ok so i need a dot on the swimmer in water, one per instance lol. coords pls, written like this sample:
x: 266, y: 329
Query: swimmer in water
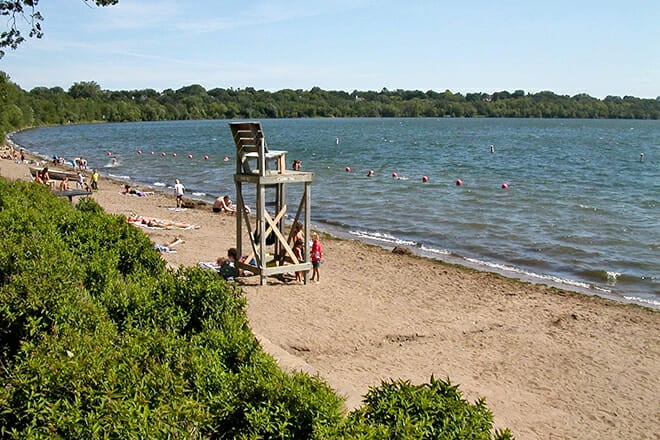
x: 641, y: 157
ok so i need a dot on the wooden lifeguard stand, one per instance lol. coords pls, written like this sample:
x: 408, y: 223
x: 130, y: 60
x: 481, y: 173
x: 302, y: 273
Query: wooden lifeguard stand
x: 253, y: 160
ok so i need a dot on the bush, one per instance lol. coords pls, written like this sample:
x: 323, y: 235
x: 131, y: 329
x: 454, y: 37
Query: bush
x: 436, y: 410
x: 99, y: 339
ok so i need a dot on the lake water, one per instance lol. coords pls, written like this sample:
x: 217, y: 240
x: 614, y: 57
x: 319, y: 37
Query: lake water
x: 581, y: 209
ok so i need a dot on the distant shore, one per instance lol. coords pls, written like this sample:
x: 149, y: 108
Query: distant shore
x: 551, y: 363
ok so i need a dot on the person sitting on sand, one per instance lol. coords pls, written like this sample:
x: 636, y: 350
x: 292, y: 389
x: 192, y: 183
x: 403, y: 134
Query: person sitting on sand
x: 64, y: 184
x: 45, y: 176
x: 227, y: 265
x: 224, y: 204
x: 38, y: 179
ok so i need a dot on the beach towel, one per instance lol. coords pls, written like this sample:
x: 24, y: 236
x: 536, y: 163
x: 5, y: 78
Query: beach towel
x: 165, y: 249
x: 212, y: 265
x: 209, y: 265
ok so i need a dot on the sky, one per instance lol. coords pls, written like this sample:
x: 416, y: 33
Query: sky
x: 569, y: 47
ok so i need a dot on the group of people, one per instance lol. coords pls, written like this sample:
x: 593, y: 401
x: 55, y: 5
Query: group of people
x: 316, y: 252
x: 226, y: 266
x: 11, y: 153
x: 229, y: 270
x: 43, y: 177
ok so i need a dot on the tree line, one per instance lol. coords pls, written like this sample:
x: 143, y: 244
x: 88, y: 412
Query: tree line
x: 87, y: 102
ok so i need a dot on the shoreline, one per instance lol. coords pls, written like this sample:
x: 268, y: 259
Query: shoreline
x: 599, y: 284
x: 513, y: 273
x: 550, y: 362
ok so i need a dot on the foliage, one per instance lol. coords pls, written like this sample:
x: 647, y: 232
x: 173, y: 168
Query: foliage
x: 436, y: 410
x: 18, y: 11
x: 86, y: 101
x: 98, y: 338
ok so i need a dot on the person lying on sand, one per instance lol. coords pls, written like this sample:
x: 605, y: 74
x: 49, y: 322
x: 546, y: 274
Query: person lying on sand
x: 169, y: 247
x: 154, y: 222
x: 135, y: 192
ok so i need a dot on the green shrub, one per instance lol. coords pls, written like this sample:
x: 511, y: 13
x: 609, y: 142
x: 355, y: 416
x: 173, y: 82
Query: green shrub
x: 436, y: 410
x: 98, y: 338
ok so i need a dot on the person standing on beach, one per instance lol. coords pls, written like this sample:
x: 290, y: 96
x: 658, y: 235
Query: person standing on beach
x: 95, y: 179
x: 317, y: 256
x: 178, y: 193
x: 298, y: 252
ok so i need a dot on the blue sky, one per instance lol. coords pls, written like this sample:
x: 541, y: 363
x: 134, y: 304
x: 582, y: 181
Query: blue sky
x: 596, y: 47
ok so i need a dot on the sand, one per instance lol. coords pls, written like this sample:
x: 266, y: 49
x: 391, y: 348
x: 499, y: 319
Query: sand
x: 551, y: 364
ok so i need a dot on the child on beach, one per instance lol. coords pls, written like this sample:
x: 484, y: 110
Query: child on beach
x: 95, y: 179
x: 178, y: 193
x: 317, y: 256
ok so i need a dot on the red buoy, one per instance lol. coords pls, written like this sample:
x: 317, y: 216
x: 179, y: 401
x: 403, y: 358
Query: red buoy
x: 163, y: 154
x: 425, y: 179
x: 173, y: 154
x: 206, y: 157
x: 459, y: 182
x: 190, y: 156
x: 139, y: 151
x: 505, y: 186
x: 395, y: 175
x: 348, y: 169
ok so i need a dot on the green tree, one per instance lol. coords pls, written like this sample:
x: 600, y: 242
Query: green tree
x: 85, y: 89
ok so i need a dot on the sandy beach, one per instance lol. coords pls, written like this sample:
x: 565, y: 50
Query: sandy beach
x: 551, y: 364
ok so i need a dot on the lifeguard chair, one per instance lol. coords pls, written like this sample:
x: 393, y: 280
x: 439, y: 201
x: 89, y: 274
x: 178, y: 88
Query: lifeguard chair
x: 254, y: 169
